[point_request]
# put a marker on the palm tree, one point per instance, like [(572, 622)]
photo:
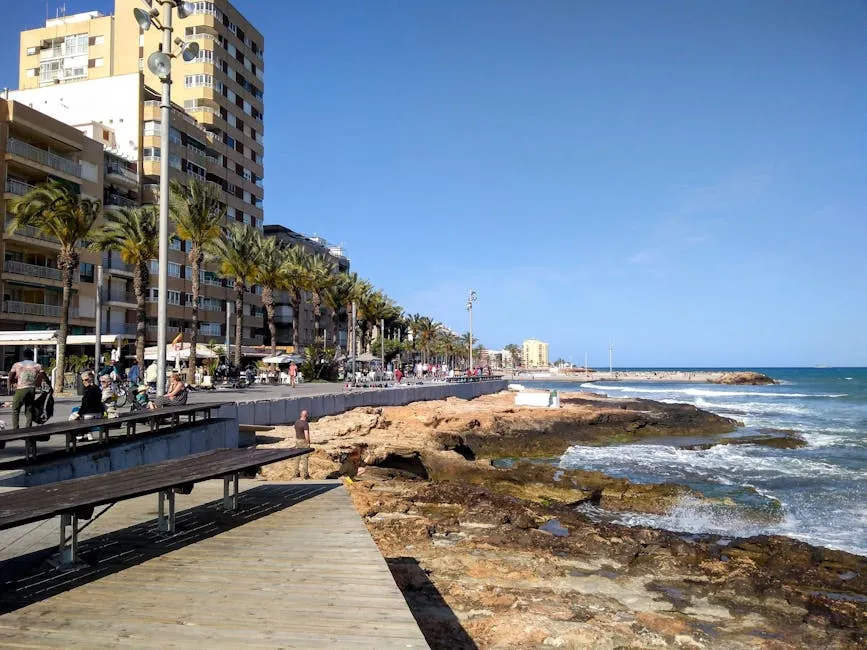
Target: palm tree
[(198, 215), (320, 276), (235, 255), (296, 262), (56, 210), (337, 296), (375, 306), (269, 274), (134, 234), (515, 351), (427, 334)]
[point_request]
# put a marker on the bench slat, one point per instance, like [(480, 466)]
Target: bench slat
[(44, 501), (61, 428)]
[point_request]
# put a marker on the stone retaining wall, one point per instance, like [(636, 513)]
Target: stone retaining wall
[(286, 410)]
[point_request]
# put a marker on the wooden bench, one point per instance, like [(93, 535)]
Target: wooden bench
[(153, 418), (76, 499), (254, 428)]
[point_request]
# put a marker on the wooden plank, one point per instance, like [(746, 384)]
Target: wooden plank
[(305, 575), (43, 501)]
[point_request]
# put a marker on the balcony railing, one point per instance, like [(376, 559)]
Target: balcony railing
[(120, 296), (120, 170), (153, 330), (119, 328), (30, 231), (17, 187), (120, 201), (43, 157), (35, 309), (37, 271)]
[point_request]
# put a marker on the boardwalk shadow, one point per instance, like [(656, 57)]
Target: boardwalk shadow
[(31, 578), (437, 621)]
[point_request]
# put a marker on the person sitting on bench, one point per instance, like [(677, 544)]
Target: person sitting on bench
[(176, 395)]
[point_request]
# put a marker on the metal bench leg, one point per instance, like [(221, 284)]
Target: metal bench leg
[(230, 501), (30, 449), (68, 552), (166, 524)]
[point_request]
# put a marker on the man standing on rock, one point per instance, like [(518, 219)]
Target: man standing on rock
[(302, 441)]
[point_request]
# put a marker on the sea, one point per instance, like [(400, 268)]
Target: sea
[(816, 493)]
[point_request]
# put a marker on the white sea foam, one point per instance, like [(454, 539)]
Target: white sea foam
[(707, 392), (735, 463), (753, 408)]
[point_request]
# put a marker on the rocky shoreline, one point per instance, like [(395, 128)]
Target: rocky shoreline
[(520, 554)]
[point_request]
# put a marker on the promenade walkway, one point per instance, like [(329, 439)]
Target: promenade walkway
[(293, 567)]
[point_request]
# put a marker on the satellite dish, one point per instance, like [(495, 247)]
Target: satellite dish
[(143, 18), (190, 51), (185, 9), (160, 64)]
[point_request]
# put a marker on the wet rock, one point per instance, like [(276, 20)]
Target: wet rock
[(743, 378)]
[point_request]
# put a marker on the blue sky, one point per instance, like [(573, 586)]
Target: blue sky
[(685, 180)]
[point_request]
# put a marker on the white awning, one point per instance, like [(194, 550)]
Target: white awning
[(49, 337)]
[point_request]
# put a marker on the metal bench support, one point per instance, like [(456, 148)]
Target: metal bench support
[(68, 545), (166, 524), (230, 501)]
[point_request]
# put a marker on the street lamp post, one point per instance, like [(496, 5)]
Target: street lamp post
[(160, 63), (470, 300)]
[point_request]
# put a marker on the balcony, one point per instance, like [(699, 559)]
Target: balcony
[(118, 296), (120, 328), (35, 309), (119, 172), (114, 266), (116, 200), (37, 271), (17, 187), (153, 330), (43, 157)]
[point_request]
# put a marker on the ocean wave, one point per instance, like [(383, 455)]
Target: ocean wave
[(753, 408), (709, 392), (730, 463)]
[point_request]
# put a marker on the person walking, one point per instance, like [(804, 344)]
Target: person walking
[(26, 375), (293, 373), (302, 441)]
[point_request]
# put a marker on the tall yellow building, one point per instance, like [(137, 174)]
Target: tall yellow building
[(534, 353), (91, 69)]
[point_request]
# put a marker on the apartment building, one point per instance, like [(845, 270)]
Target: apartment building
[(283, 316), (534, 353), (35, 148), (216, 129)]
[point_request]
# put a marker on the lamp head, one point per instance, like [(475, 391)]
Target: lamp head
[(190, 51), (160, 64), (185, 9), (143, 18)]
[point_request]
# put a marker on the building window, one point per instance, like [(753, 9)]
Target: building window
[(174, 269), (151, 153), (32, 50), (98, 40), (173, 297), (198, 80), (175, 161), (175, 244), (205, 56), (86, 271)]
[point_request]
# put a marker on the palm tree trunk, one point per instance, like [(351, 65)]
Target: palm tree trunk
[(196, 254), (268, 304), (296, 321), (317, 314), (139, 280), (335, 328), (67, 265), (239, 320)]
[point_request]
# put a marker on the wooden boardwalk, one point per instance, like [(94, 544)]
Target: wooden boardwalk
[(294, 567)]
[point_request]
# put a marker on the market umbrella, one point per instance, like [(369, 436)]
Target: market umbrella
[(282, 358)]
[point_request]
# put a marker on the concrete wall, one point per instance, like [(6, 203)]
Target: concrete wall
[(187, 439), (286, 410)]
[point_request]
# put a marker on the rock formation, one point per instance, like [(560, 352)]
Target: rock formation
[(521, 554)]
